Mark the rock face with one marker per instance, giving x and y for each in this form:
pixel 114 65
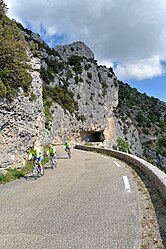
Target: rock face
pixel 76 48
pixel 116 128
pixel 94 88
pixel 21 123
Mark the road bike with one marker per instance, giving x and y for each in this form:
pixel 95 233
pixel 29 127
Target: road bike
pixel 68 152
pixel 37 170
pixel 53 161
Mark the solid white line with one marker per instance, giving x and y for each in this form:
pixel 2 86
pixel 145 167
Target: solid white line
pixel 117 164
pixel 126 183
pixel 105 157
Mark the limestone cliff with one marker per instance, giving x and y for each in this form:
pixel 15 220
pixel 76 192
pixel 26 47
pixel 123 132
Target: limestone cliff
pixel 21 122
pixel 70 97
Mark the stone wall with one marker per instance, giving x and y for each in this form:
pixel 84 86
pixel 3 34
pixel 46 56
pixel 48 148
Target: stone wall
pixel 156 176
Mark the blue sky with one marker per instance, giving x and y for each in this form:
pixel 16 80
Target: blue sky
pixel 128 35
pixel 155 87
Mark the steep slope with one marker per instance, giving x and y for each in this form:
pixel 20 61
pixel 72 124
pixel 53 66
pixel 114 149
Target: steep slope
pixel 21 103
pixel 94 90
pixel 148 115
pixel 68 96
pixel 54 94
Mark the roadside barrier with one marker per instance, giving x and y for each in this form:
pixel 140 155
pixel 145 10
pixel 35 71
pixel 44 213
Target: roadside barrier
pixel 155 175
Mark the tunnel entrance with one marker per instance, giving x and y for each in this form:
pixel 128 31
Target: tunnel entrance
pixel 95 136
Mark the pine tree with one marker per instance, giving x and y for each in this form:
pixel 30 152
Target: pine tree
pixel 13 56
pixel 3 8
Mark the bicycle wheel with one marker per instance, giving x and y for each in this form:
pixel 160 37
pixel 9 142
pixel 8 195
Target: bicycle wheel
pixel 35 172
pixel 69 154
pixel 41 170
pixel 53 162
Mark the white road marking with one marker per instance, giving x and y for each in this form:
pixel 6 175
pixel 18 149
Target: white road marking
pixel 117 164
pixel 105 157
pixel 126 184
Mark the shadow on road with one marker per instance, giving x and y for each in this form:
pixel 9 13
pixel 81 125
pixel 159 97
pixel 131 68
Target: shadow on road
pixel 62 157
pixel 31 177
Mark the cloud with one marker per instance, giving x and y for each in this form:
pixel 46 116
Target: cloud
pixel 147 68
pixel 129 33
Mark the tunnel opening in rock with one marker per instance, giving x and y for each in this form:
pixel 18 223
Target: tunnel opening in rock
pixel 95 136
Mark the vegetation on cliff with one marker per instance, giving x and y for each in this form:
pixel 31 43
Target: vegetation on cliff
pixel 13 57
pixel 148 114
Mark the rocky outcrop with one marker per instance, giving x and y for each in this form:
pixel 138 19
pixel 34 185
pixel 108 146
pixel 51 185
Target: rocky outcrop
pixel 70 97
pixel 21 122
pixel 76 48
pixel 95 91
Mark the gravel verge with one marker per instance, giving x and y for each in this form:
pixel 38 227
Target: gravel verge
pixel 153 213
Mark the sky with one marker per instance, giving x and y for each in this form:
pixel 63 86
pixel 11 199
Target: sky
pixel 129 35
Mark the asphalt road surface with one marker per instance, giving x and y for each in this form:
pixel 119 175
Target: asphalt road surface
pixel 88 202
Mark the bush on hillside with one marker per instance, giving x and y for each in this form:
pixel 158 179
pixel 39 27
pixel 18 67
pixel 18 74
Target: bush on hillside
pixel 122 145
pixel 75 61
pixel 13 59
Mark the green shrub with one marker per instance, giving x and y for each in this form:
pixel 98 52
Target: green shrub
pixel 33 97
pixel 13 59
pixel 72 49
pixel 111 70
pixel 161 146
pixel 162 125
pixel 109 75
pixel 81 117
pixel 76 79
pixel 99 76
pixel 75 61
pixel 162 142
pixel 13 174
pixel 89 75
pixel 78 96
pixel 62 96
pixel 122 145
pixel 3 8
pixel 140 118
pixel 3 89
pixel 87 66
pixel 89 144
pixel 145 131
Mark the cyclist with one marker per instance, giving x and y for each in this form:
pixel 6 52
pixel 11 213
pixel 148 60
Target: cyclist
pixel 67 148
pixel 35 153
pixel 52 153
pixel 52 150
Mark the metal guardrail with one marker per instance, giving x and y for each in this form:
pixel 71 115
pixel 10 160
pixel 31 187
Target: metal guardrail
pixel 156 176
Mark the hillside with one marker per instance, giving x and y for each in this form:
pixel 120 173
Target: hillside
pixel 148 114
pixel 54 94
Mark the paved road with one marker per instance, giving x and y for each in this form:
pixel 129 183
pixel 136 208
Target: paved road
pixel 87 202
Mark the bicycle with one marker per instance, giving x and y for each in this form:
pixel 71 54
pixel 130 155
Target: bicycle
pixel 53 161
pixel 37 170
pixel 68 152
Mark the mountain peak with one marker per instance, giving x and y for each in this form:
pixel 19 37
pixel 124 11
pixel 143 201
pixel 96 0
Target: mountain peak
pixel 76 48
